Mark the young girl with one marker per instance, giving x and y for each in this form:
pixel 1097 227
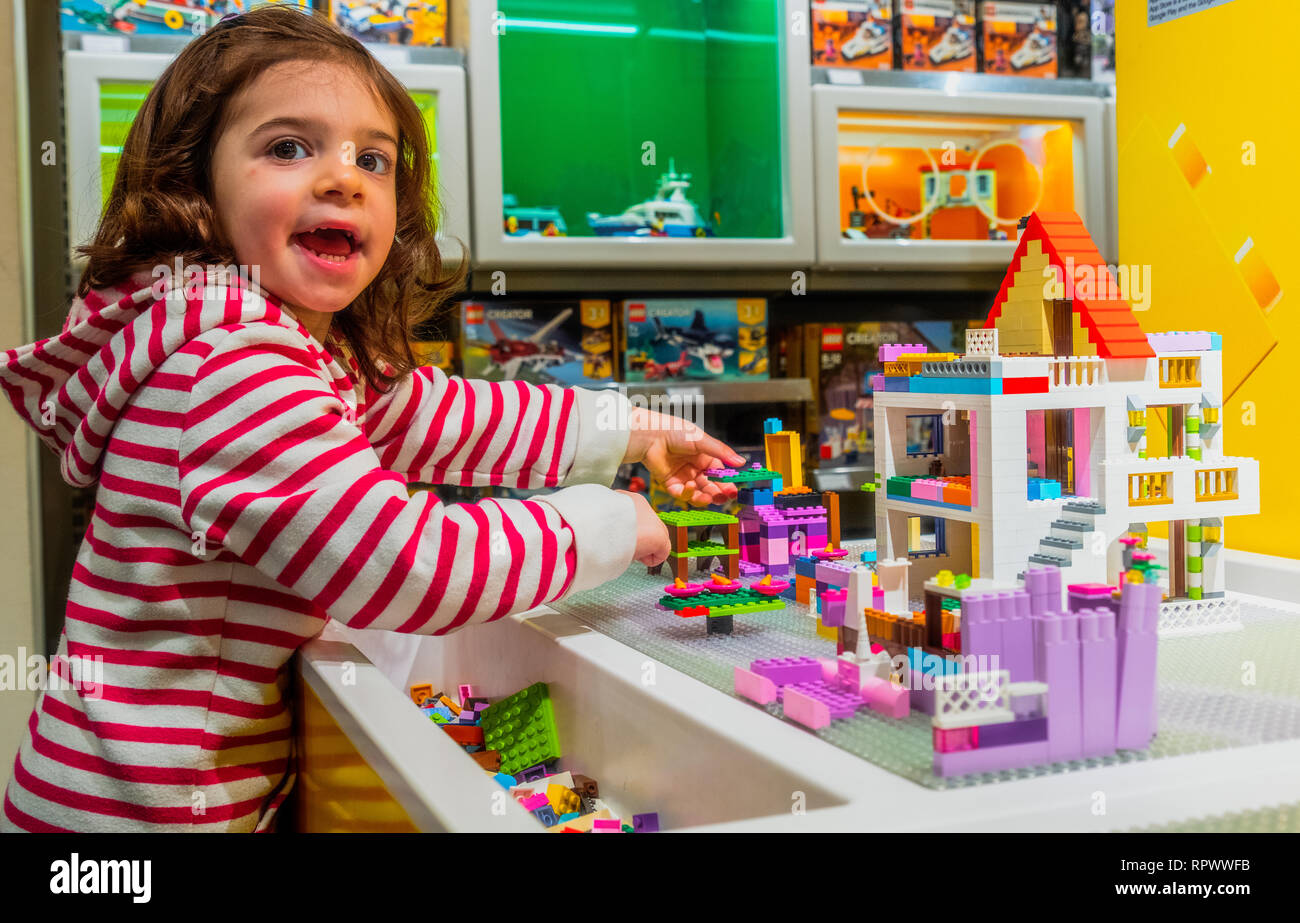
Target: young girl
pixel 252 443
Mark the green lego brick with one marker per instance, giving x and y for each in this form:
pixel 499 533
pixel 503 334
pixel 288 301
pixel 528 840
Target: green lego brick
pixel 700 549
pixel 522 728
pixel 741 601
pixel 1193 533
pixel 697 518
pixel 746 476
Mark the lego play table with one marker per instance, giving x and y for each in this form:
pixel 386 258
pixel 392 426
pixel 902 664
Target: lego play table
pixel 643 708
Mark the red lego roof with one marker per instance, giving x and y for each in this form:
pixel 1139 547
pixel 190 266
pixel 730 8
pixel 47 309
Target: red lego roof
pixel 1110 323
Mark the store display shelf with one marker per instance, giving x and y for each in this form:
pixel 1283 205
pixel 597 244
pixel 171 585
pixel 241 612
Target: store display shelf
pixel 959 84
pixel 771 391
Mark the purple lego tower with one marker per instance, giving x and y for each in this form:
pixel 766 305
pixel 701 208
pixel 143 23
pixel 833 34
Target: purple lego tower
pixel 1094 666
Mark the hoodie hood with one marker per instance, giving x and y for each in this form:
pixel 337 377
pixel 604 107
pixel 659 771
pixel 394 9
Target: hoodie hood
pixel 71 388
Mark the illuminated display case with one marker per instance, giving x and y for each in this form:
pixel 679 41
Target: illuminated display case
pixel 641 135
pixel 917 176
pixel 105 90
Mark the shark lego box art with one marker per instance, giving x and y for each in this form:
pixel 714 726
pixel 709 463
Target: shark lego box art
pixel 543 342
pixel 695 339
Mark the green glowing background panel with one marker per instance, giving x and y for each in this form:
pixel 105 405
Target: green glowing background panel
pixel 120 101
pixel 585 85
pixel 118 104
pixel 428 106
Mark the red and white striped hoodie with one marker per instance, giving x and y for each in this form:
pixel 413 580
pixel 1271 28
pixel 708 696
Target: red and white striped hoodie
pixel 247 491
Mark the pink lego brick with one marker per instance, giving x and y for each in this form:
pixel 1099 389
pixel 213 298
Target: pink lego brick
pixel 886 698
pixel 785 670
pixel 849 675
pixel 878 382
pixel 1135 628
pixel 833 604
pixel 830 669
pixel 606 825
pixel 1179 341
pixel 536 801
pixel 756 688
pixel 806 710
pixel 774 550
pixel 467 692
pixel 888 352
pixel 956 740
pixel 840 704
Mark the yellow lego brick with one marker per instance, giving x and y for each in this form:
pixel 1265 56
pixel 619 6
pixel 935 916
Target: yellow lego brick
pixel 563 800
pixel 826 632
pixel 450 704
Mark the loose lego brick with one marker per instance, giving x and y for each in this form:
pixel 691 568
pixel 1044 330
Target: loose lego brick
pixel 756 688
pixel 465 693
pixel 645 823
pixel 562 799
pixel 445 700
pixel 783 671
pixel 522 727
pixel 488 759
pixel 534 802
pixel 585 786
pixel 546 814
pixel 464 735
pixel 421 692
pixel 583 823
pixel 503 779
pixel 606 825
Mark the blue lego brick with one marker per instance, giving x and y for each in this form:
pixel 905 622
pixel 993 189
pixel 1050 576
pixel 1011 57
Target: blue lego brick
pixel 1216 341
pixel 546 814
pixel 1044 489
pixel 895 383
pixel 868 556
pixel 806 566
pixel 923 385
pixel 762 496
pixel 505 781
pixel 922 661
pixel 572 815
pixel 772 425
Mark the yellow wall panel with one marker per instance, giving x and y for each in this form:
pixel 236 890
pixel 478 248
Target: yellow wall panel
pixel 1206 150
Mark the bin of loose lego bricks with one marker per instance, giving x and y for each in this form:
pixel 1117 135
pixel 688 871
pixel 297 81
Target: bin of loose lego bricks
pixel 652 738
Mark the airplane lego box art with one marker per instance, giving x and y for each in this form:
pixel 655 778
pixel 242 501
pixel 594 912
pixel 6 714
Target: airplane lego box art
pixel 695 339
pixel 543 342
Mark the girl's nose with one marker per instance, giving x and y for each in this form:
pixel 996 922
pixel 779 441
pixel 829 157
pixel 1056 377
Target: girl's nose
pixel 339 175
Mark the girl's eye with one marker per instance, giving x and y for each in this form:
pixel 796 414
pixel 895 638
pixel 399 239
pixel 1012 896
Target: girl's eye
pixel 284 150
pixel 381 164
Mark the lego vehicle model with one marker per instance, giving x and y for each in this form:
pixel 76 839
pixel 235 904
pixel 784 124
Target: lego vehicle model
pixel 668 213
pixel 510 356
pixel 957 43
pixel 697 341
pixel 871 38
pixel 537 221
pixel 1038 49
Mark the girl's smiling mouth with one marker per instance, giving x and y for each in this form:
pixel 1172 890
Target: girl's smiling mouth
pixel 331 247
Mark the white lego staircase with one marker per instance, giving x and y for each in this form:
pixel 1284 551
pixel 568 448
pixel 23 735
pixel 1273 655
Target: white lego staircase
pixel 1079 518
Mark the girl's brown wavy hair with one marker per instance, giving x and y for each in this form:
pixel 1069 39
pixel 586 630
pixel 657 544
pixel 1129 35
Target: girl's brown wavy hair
pixel 161 203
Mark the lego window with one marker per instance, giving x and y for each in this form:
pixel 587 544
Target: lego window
pixel 925 434
pixel 654 120
pixel 925 536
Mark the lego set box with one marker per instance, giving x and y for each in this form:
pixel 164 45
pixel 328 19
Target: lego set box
pixel 853 33
pixel 695 339
pixel 1019 38
pixel 937 35
pixel 543 342
pixel 840 360
pixel 396 22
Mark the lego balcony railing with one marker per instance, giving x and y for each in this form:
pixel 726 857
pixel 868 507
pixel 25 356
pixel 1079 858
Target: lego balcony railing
pixel 1061 372
pixel 1076 372
pixel 1185 483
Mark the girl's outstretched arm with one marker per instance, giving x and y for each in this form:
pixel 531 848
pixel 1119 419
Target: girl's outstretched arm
pixel 273 469
pixel 440 430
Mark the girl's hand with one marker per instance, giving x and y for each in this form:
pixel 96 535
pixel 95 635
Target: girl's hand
pixel 677 453
pixel 652 544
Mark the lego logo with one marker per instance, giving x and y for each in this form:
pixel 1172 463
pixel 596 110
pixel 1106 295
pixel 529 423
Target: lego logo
pixel 636 313
pixel 832 339
pixel 473 313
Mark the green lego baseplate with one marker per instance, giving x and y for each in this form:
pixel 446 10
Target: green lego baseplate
pixel 745 476
pixel 700 549
pixel 737 602
pixel 522 728
pixel 697 518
